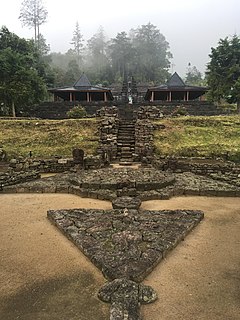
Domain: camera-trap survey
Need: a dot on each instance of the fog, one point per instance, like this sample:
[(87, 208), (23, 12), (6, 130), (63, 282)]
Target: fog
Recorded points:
[(191, 27)]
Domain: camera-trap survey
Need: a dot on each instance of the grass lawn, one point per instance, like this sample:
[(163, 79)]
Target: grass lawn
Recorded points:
[(46, 138), (217, 136)]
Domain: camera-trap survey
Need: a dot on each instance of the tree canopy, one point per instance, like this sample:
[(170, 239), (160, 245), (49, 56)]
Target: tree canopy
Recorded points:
[(223, 71), (22, 73), (193, 76), (144, 53)]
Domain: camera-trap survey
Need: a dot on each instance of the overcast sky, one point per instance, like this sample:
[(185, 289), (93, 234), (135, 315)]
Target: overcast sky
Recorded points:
[(191, 27)]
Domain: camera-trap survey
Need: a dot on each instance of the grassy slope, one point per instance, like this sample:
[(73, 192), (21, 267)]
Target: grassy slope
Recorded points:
[(200, 136), (183, 136), (46, 138)]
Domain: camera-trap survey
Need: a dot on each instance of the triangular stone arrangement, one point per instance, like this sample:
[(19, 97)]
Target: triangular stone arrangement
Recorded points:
[(125, 243)]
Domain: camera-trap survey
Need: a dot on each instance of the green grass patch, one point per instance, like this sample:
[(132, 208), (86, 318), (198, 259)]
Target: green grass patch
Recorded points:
[(47, 138), (214, 137)]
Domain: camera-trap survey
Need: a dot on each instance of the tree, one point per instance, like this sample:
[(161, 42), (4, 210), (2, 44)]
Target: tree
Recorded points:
[(33, 14), (73, 73), (43, 47), (122, 54), (21, 84), (97, 60), (77, 42), (193, 76), (223, 71), (152, 53)]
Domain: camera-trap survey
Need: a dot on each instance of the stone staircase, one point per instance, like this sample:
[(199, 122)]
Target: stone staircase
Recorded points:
[(126, 141)]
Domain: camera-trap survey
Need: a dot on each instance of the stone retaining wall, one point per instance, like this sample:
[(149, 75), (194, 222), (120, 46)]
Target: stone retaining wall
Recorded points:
[(108, 130), (217, 170), (9, 179), (58, 110), (144, 146), (42, 165), (57, 165)]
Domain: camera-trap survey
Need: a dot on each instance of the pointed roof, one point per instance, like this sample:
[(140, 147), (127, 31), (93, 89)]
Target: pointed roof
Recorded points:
[(82, 82), (175, 81)]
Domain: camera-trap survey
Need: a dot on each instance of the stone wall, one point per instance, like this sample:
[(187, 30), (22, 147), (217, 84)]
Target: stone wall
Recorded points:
[(144, 146), (108, 130), (192, 108), (57, 165), (12, 178), (149, 112), (58, 110), (144, 131), (41, 165), (218, 170)]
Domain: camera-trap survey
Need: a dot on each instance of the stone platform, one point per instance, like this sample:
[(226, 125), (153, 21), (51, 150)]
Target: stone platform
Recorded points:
[(143, 183)]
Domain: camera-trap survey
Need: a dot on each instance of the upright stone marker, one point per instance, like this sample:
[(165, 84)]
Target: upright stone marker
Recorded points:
[(78, 155)]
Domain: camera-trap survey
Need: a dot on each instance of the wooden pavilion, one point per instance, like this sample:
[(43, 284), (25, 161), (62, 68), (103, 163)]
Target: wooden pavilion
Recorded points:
[(82, 90), (175, 90)]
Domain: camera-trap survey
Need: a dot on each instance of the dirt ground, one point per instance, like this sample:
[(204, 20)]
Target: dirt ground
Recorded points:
[(43, 276)]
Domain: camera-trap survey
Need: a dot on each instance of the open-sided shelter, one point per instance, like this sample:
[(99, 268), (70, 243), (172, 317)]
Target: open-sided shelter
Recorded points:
[(82, 90), (175, 90)]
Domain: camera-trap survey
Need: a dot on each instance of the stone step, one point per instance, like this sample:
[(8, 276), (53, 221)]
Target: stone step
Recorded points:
[(127, 141), (130, 139), (125, 162), (130, 122), (126, 128), (132, 131), (125, 144), (126, 134), (126, 131), (127, 152)]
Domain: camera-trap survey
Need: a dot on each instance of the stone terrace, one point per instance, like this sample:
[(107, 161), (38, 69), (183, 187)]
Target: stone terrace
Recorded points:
[(144, 183)]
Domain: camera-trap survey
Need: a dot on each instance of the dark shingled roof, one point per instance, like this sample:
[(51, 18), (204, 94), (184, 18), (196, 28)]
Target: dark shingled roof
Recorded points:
[(82, 82), (175, 81)]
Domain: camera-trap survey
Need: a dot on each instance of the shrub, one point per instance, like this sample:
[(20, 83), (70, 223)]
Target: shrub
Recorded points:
[(77, 112)]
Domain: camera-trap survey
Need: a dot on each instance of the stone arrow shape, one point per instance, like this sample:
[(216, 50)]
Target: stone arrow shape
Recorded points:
[(125, 243)]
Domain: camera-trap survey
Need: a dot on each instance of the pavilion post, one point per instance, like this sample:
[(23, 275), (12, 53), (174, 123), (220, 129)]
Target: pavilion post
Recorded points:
[(187, 95), (88, 98), (152, 97), (70, 97), (105, 96), (170, 96)]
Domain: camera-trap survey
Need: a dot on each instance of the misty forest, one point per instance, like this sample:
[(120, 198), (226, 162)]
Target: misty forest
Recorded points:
[(28, 67)]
